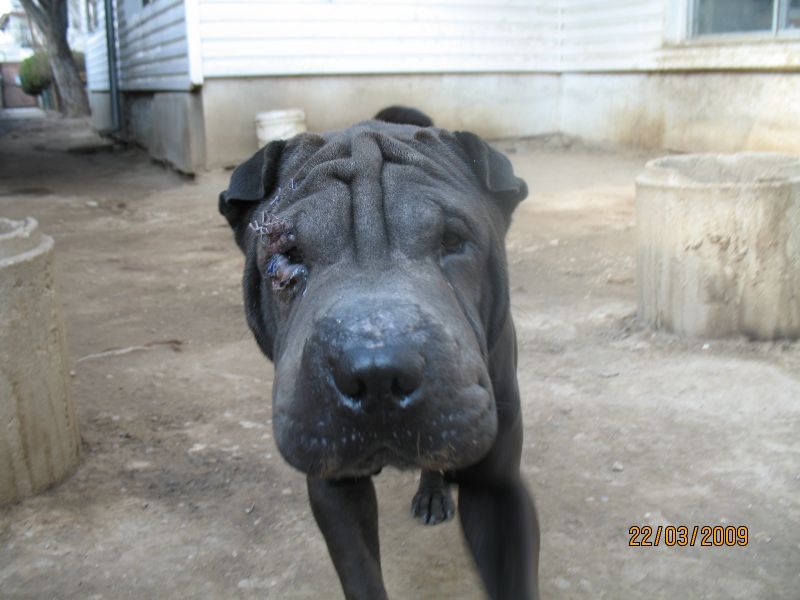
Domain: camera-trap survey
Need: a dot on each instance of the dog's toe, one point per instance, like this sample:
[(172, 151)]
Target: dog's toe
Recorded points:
[(433, 506)]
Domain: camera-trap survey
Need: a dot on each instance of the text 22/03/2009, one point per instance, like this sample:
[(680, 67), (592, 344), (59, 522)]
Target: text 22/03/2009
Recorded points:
[(685, 535)]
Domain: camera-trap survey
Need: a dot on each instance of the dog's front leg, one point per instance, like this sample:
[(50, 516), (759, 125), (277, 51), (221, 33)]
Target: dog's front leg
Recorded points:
[(500, 524), (346, 512), (497, 514)]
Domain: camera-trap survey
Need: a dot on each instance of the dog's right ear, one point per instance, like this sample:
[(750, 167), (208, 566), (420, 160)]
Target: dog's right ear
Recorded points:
[(251, 182)]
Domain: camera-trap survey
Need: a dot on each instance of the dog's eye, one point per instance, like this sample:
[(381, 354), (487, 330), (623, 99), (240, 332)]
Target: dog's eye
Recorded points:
[(452, 243), (284, 273), (294, 256)]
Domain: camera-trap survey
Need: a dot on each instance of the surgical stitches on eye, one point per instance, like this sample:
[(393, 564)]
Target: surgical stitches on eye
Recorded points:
[(283, 269), (274, 232)]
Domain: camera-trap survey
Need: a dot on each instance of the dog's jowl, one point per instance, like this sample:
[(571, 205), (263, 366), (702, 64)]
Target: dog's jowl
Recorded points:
[(375, 280)]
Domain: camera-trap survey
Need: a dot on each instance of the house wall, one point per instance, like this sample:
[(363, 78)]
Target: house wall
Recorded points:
[(630, 75), (169, 125), (617, 71), (469, 63), (240, 38), (690, 112), (97, 56), (609, 35), (153, 47), (97, 83), (161, 110), (494, 105)]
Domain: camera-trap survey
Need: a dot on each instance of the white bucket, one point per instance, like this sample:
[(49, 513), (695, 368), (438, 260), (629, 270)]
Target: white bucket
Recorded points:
[(279, 124)]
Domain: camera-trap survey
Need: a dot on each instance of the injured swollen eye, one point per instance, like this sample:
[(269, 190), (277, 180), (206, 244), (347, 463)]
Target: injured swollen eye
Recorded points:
[(284, 273), (452, 243)]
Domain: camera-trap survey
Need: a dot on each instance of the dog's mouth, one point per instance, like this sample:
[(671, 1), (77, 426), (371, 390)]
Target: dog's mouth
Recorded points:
[(445, 434), (369, 465)]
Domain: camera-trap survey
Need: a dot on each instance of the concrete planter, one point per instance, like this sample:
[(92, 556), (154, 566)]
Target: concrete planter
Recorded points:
[(718, 244), (39, 441)]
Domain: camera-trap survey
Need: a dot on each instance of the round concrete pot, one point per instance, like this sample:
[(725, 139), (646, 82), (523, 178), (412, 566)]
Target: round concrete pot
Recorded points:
[(39, 441), (718, 245)]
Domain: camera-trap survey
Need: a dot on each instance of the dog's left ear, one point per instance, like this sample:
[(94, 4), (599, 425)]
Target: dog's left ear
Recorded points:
[(494, 171), (251, 182)]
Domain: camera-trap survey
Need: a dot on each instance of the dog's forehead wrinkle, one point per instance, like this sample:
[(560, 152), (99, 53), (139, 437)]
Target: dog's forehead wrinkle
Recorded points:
[(376, 166), (370, 229)]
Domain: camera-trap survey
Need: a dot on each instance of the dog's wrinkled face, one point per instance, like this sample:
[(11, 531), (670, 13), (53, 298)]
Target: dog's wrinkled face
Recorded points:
[(374, 260)]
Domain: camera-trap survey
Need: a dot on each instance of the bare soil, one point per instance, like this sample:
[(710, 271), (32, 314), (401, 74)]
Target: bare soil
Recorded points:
[(182, 494)]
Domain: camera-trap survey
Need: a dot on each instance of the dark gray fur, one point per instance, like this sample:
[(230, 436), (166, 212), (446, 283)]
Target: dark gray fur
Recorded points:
[(392, 337)]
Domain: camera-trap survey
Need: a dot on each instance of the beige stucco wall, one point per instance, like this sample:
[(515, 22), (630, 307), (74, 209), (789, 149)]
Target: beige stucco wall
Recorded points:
[(692, 111), (169, 125), (689, 111), (493, 105), (100, 103)]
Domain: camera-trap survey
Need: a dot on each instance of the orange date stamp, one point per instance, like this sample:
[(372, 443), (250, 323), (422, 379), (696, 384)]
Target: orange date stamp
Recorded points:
[(688, 535)]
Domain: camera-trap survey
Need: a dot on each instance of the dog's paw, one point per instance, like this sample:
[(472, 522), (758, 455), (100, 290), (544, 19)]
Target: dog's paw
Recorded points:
[(433, 504)]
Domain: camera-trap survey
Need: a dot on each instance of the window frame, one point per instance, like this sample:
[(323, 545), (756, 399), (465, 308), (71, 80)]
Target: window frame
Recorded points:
[(775, 34)]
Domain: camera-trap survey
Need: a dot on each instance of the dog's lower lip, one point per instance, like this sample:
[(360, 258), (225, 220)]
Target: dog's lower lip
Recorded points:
[(384, 456)]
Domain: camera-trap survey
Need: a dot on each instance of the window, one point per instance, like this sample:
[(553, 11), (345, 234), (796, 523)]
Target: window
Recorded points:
[(773, 17), (789, 15)]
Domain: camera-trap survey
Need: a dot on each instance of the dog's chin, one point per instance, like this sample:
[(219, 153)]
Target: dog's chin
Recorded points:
[(339, 447), (367, 466), (334, 468)]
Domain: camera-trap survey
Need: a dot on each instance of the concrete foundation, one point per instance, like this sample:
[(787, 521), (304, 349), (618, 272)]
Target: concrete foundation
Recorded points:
[(687, 112), (100, 103), (169, 125), (690, 111), (718, 241), (39, 441), (492, 105)]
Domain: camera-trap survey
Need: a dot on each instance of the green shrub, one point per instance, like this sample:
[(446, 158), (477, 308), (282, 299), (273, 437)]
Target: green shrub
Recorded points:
[(35, 74)]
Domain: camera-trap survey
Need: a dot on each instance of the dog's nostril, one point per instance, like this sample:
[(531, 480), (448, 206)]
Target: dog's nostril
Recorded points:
[(347, 382), (378, 374), (406, 382)]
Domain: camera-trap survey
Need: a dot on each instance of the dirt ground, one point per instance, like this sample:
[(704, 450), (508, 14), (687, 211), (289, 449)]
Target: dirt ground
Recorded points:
[(181, 492)]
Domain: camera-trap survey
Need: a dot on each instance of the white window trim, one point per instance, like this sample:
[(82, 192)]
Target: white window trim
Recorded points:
[(687, 10), (724, 52)]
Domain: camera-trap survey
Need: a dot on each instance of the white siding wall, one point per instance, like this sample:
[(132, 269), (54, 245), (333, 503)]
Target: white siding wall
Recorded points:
[(249, 37), (238, 38), (97, 55), (153, 49), (611, 34)]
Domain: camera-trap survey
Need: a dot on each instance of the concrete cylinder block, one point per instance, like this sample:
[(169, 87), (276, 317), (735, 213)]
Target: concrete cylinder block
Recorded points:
[(718, 244), (39, 441)]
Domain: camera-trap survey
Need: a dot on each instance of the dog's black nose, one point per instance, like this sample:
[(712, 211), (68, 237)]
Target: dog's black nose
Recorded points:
[(372, 376)]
